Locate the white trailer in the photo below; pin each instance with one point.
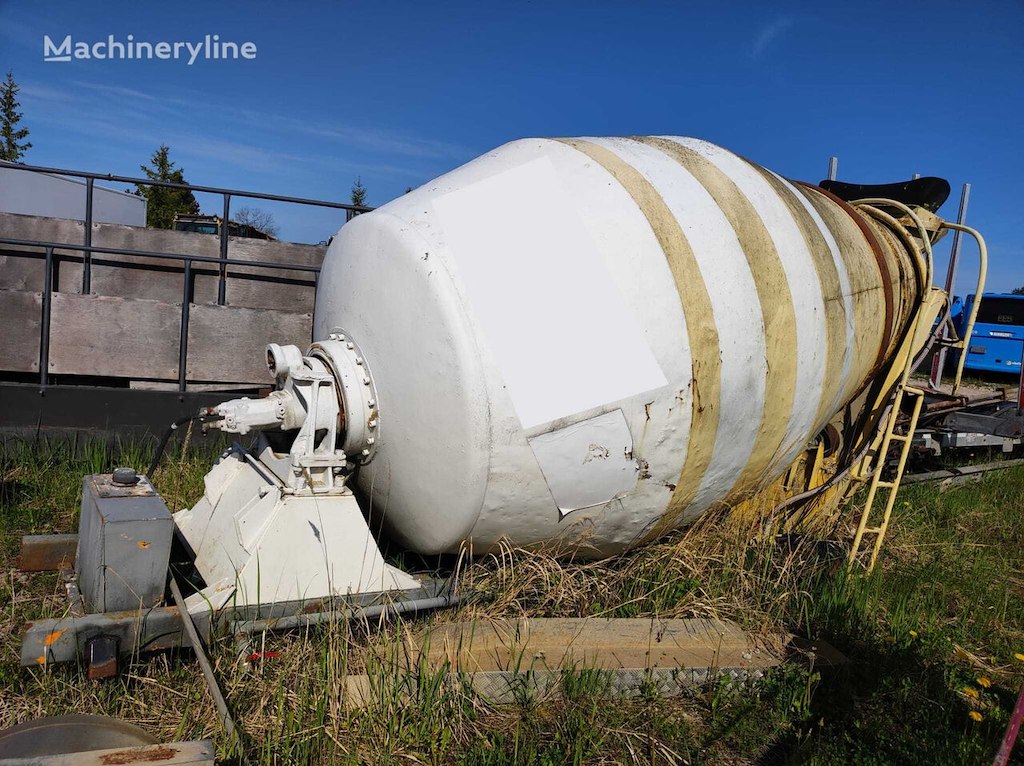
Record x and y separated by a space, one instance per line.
53 196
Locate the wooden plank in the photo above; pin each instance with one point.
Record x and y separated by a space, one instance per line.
503 659
499 645
47 553
170 754
115 337
20 316
228 343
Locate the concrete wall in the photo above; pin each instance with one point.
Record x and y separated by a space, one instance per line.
59 197
128 327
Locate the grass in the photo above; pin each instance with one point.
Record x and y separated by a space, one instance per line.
943 612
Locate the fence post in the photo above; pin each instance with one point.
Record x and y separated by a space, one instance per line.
186 300
44 324
222 285
87 259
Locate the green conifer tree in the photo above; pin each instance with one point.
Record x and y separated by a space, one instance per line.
12 138
163 202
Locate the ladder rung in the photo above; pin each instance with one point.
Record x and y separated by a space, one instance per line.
897 438
872 530
886 484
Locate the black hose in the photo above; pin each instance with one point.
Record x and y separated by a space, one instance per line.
202 417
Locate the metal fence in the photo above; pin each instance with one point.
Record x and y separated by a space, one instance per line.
226 195
48 251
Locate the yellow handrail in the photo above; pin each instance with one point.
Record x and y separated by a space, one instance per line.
979 289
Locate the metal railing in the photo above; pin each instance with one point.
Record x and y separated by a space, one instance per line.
52 258
227 194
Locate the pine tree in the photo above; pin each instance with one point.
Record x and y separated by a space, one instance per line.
359 193
12 138
163 202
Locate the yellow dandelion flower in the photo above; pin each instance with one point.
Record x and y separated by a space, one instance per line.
913 634
1018 656
984 682
973 693
975 715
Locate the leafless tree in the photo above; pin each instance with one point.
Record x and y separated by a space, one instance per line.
260 220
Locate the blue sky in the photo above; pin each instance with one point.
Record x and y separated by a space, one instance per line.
398 92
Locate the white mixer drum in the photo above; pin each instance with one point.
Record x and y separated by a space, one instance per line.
595 339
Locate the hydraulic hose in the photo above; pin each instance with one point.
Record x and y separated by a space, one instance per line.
202 417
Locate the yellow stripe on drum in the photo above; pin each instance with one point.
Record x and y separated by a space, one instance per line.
872 307
773 293
700 326
836 368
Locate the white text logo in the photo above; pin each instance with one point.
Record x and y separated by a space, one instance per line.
210 48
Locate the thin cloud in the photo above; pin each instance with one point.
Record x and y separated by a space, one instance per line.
141 120
371 139
769 34
138 107
31 90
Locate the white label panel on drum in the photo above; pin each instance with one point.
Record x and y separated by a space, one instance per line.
587 463
561 333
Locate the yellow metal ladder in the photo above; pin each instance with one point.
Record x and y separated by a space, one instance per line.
865 526
863 471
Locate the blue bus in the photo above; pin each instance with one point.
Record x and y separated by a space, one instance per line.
998 339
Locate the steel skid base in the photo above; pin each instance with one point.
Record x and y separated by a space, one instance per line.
254 540
278 539
79 635
258 555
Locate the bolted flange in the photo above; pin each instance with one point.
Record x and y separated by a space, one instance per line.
356 390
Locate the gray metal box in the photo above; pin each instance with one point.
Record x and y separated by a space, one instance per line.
124 545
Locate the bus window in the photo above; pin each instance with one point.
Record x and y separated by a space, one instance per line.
1001 311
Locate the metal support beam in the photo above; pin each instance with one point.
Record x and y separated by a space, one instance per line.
939 361
64 639
222 284
44 326
186 303
87 260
